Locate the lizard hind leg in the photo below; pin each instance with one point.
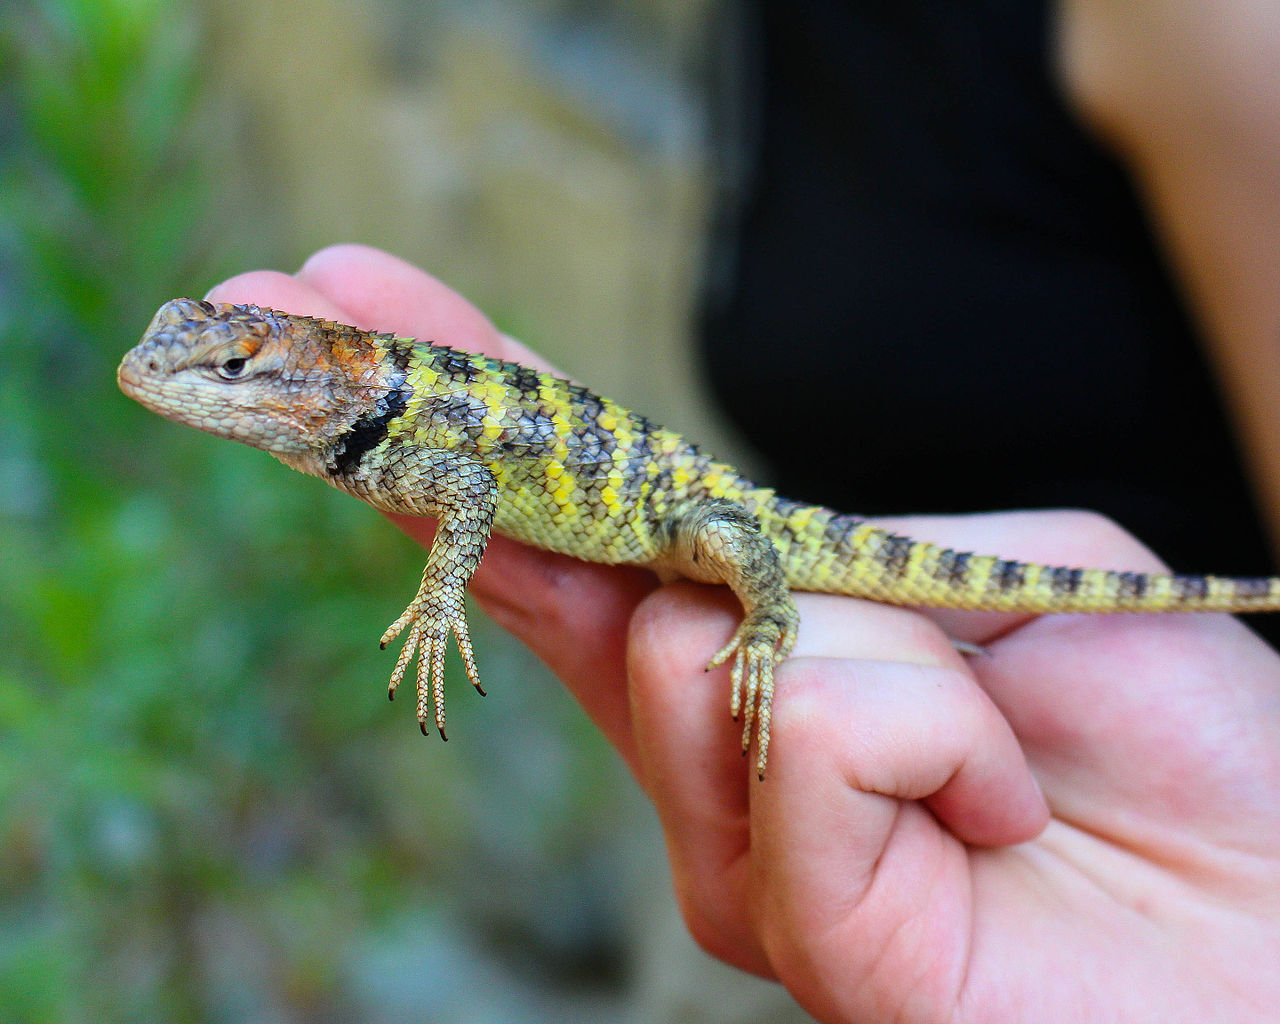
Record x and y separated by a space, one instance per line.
719 541
761 642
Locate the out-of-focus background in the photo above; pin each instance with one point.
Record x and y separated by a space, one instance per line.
208 810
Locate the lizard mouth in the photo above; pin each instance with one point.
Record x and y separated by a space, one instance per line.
128 378
132 378
136 383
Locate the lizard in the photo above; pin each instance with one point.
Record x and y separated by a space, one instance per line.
482 444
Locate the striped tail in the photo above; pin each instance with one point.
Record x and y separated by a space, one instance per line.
841 554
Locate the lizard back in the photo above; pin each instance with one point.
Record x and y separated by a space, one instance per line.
581 474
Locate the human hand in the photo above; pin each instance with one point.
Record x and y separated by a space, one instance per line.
867 873
872 872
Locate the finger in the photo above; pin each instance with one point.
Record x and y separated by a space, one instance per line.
966 801
906 731
385 293
912 727
1143 724
847 869
887 773
274 290
690 762
373 290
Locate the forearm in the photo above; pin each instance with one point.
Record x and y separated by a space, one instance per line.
1186 94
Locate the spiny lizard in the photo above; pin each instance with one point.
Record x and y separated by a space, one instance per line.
481 444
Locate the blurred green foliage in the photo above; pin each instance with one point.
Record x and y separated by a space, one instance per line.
207 811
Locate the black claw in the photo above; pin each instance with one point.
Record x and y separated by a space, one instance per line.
760 776
391 693
480 690
423 727
443 736
382 646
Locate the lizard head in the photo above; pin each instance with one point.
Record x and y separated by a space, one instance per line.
238 372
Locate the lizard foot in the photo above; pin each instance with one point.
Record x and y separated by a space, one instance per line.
760 643
429 628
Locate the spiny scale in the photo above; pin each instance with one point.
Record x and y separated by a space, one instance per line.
482 445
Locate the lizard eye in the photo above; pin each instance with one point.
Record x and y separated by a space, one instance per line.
232 368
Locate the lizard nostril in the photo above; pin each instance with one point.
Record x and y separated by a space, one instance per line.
153 365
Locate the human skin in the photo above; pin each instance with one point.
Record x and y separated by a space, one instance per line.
1185 94
1083 823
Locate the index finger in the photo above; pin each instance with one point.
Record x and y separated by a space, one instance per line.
375 291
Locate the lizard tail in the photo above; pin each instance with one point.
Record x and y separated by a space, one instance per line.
863 560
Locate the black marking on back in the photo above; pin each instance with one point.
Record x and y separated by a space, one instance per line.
1132 584
400 354
596 446
839 530
462 413
953 567
1009 575
1251 587
454 363
1190 588
784 508
1066 581
525 380
643 450
894 552
587 403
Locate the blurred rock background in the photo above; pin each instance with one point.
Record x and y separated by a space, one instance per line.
208 812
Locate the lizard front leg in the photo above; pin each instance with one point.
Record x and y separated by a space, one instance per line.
462 495
718 541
